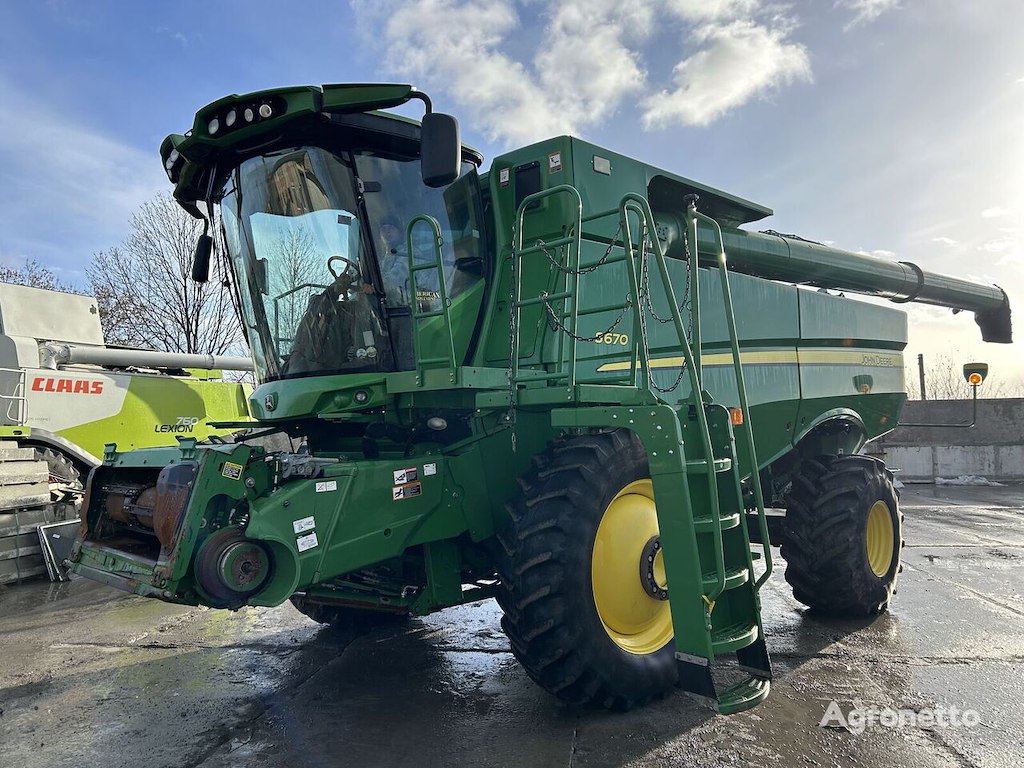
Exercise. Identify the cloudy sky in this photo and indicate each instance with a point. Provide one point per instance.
(893, 127)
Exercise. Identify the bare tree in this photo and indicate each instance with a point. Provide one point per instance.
(34, 275)
(296, 272)
(145, 291)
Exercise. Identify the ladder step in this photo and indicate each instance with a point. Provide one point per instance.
(733, 578)
(543, 299)
(557, 242)
(602, 262)
(743, 695)
(700, 466)
(733, 637)
(525, 376)
(707, 525)
(604, 308)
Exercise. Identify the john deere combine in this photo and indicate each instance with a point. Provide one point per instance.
(539, 383)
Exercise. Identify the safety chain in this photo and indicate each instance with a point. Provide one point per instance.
(645, 290)
(556, 325)
(557, 263)
(513, 329)
(645, 285)
(650, 374)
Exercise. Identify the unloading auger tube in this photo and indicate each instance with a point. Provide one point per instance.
(55, 355)
(795, 260)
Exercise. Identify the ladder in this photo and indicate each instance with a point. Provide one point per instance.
(421, 316)
(690, 444)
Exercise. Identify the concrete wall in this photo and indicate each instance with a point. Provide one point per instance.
(993, 448)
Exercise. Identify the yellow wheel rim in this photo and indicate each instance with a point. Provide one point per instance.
(634, 620)
(879, 539)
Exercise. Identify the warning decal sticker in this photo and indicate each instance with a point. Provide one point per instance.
(409, 475)
(406, 491)
(231, 470)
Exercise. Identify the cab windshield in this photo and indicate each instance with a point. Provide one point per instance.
(318, 243)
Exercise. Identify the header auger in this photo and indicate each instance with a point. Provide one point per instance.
(548, 389)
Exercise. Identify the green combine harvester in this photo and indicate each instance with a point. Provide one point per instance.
(571, 383)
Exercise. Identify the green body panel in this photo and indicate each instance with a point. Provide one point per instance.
(407, 475)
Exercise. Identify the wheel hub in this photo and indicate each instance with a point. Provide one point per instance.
(243, 565)
(231, 568)
(652, 569)
(628, 572)
(879, 538)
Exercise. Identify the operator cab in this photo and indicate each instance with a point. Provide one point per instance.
(319, 239)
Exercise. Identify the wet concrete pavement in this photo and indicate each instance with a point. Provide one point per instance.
(93, 677)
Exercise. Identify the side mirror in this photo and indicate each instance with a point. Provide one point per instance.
(201, 260)
(975, 373)
(440, 149)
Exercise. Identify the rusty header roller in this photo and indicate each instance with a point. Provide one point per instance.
(792, 259)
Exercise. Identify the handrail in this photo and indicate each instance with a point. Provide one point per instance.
(639, 205)
(755, 480)
(974, 416)
(21, 400)
(572, 267)
(417, 315)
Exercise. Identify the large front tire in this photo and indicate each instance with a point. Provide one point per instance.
(577, 612)
(843, 535)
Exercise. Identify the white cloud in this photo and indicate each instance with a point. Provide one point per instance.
(583, 63)
(999, 245)
(712, 10)
(582, 72)
(65, 183)
(740, 60)
(995, 212)
(586, 64)
(866, 10)
(947, 241)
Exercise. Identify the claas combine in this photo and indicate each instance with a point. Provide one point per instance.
(571, 382)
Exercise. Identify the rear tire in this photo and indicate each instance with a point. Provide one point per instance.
(843, 535)
(65, 475)
(576, 612)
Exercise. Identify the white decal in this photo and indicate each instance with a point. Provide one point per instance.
(305, 524)
(429, 469)
(58, 401)
(326, 485)
(306, 542)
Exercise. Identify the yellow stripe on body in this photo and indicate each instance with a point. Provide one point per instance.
(862, 359)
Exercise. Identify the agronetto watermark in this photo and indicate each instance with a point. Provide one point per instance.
(859, 717)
